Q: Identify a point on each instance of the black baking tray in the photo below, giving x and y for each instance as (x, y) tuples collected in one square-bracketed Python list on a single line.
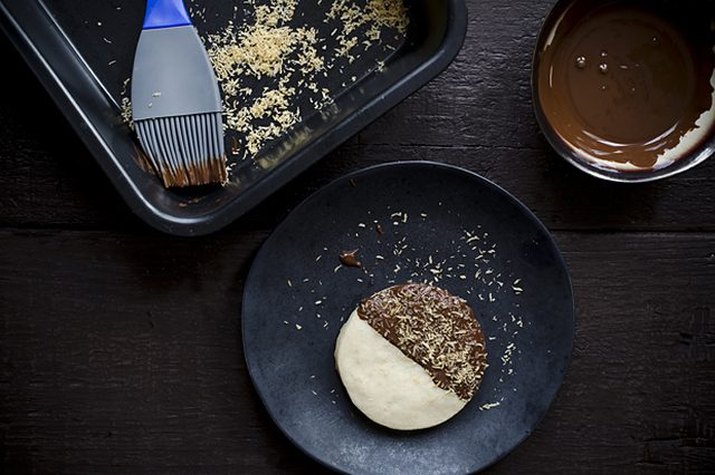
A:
[(82, 51)]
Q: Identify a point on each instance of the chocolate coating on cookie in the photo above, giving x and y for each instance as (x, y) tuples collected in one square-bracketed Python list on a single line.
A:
[(433, 328)]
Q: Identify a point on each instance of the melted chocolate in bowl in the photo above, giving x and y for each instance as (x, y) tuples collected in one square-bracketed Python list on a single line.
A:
[(627, 86)]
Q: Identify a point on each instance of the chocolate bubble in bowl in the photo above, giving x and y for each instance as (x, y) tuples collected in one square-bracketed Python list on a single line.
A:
[(625, 90)]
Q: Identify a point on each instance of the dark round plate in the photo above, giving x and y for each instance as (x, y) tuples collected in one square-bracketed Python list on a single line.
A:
[(414, 221)]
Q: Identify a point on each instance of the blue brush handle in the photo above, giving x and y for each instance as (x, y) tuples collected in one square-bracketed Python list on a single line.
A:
[(165, 14)]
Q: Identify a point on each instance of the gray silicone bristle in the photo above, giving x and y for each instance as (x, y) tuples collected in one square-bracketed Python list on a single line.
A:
[(185, 150)]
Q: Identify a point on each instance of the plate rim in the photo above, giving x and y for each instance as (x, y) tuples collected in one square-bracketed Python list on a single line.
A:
[(427, 164)]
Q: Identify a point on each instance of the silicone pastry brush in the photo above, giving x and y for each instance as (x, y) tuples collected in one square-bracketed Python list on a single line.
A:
[(176, 105)]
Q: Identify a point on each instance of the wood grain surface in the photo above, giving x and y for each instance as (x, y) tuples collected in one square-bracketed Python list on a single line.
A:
[(120, 349)]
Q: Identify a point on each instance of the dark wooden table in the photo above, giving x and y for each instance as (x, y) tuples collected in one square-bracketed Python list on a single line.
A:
[(120, 349)]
